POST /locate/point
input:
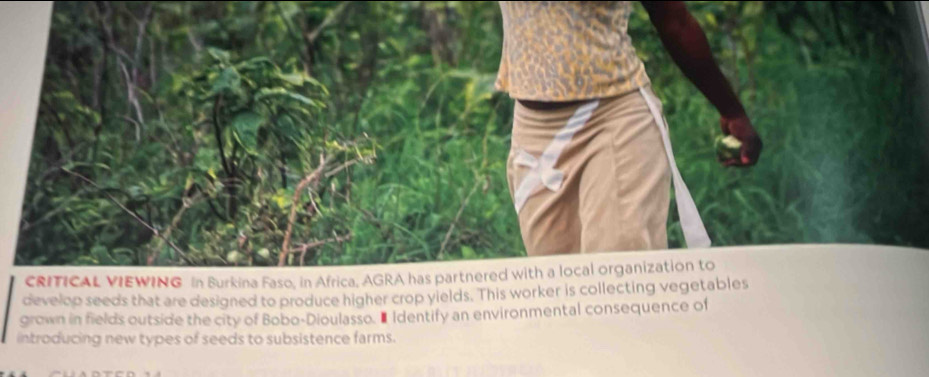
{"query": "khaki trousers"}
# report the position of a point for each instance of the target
(592, 177)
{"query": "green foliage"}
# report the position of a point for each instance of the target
(179, 133)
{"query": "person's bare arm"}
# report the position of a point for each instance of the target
(685, 41)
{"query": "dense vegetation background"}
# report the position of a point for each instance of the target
(266, 133)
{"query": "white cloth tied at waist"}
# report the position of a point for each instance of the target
(691, 224)
(542, 170)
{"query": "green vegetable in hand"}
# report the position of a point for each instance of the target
(727, 147)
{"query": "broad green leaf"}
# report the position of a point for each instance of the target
(270, 92)
(312, 81)
(228, 80)
(206, 158)
(292, 78)
(468, 253)
(246, 126)
(255, 63)
(100, 253)
(285, 126)
(304, 100)
(219, 55)
(281, 92)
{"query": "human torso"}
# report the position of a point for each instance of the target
(567, 51)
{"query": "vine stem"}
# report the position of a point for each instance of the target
(311, 178)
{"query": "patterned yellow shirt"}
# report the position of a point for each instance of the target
(565, 51)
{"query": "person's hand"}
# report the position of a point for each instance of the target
(741, 128)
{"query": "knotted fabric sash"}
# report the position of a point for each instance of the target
(542, 170)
